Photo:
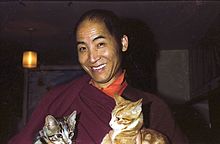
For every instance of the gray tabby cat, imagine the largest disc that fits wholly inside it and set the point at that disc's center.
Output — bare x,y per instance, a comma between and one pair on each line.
57,131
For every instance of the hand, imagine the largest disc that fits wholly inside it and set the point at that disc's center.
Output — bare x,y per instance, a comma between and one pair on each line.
138,139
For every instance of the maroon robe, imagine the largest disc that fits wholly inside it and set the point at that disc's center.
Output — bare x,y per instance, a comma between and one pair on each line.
94,112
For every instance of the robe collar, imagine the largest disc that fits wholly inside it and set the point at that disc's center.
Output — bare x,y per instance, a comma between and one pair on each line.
115,88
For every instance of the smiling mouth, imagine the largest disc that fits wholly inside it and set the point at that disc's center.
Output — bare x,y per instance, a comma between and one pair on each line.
98,67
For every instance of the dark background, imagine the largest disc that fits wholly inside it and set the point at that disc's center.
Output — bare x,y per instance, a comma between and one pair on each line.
47,27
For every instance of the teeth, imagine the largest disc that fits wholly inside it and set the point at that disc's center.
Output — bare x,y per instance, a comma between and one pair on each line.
99,67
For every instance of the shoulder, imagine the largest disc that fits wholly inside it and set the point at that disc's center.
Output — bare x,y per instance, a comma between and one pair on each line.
152,104
157,114
54,99
134,94
73,86
77,82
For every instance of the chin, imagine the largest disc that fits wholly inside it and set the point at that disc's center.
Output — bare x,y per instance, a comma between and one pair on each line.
100,79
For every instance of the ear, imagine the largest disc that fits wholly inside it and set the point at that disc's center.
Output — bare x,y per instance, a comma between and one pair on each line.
139,102
119,99
124,42
137,107
72,118
51,122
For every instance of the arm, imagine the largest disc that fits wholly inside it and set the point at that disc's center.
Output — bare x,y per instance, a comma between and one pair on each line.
36,121
157,115
161,119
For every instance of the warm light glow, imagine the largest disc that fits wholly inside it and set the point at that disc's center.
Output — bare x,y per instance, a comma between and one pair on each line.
29,59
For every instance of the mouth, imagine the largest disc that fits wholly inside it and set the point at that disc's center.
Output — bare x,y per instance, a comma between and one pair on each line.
97,68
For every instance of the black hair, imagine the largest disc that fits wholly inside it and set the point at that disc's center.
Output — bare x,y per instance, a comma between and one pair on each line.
109,18
140,58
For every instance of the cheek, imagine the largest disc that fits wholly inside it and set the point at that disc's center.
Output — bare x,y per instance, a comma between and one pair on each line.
114,124
81,58
111,51
116,57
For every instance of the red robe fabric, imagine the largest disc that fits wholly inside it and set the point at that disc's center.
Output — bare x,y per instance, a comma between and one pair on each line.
94,112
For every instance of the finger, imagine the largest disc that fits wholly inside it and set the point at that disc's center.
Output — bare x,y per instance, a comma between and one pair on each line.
138,139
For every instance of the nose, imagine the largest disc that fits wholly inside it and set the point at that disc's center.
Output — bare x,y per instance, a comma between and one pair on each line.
93,56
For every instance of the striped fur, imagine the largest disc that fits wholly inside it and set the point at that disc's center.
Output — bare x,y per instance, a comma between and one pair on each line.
57,131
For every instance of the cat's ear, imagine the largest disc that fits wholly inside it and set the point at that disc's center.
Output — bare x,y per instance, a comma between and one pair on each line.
137,107
138,102
119,99
72,118
51,122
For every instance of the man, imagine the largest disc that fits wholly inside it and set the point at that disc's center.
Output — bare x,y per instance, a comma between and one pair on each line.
100,44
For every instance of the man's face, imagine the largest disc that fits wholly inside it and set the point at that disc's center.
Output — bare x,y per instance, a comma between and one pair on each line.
98,52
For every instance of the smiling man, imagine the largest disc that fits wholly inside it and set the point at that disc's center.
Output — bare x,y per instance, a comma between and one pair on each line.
99,53
100,45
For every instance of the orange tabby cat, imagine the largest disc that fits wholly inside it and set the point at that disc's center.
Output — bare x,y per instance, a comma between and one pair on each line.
127,123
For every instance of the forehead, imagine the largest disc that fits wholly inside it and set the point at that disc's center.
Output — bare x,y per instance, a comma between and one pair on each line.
90,28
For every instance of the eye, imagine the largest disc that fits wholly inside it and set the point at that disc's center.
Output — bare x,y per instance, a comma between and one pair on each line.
117,118
59,135
125,119
101,45
82,49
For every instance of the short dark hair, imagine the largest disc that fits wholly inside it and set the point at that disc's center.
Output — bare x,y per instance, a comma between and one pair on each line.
109,18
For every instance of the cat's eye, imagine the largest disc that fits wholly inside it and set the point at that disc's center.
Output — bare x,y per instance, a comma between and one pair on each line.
59,136
117,118
125,120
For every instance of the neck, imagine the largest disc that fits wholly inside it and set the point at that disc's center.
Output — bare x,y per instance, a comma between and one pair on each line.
106,84
127,133
124,137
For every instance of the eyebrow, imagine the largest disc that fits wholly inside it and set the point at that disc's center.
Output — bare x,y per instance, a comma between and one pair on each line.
98,37
80,42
